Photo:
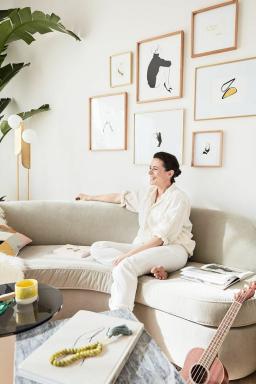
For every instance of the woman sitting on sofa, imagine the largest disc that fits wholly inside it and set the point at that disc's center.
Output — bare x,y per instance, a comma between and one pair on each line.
164,240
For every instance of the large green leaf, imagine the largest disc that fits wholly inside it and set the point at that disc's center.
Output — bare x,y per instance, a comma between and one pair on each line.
2,57
3,104
9,71
5,128
5,13
22,24
32,112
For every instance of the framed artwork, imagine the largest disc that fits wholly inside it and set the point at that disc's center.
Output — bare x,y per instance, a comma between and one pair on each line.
225,90
214,29
120,69
160,67
207,149
108,122
156,132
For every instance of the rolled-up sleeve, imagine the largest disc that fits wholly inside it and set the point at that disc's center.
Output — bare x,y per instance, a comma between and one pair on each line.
171,223
130,200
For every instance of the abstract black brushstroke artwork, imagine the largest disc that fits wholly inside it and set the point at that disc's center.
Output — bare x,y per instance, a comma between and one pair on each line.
159,139
108,122
157,131
153,70
160,67
207,148
227,89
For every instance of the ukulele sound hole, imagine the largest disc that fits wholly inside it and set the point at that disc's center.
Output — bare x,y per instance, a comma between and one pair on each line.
199,374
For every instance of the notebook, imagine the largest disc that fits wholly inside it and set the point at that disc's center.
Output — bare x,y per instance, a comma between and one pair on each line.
83,328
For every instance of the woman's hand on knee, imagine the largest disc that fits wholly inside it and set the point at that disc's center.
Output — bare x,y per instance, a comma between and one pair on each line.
83,197
119,259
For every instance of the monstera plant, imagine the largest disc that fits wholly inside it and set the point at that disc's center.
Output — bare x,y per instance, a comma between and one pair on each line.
22,24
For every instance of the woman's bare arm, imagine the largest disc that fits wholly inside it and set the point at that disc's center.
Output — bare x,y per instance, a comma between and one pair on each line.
108,198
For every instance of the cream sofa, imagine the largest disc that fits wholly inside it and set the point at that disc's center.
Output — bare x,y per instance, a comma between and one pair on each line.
178,313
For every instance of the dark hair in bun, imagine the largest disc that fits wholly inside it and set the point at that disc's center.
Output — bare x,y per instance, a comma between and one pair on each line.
170,162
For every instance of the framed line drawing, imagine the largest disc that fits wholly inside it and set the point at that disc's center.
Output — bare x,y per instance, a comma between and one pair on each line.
207,149
214,29
160,67
120,66
225,90
156,132
108,122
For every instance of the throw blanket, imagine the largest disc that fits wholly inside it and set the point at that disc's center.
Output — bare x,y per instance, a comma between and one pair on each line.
11,269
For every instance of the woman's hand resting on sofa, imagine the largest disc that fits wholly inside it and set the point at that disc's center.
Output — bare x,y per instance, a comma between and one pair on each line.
119,259
84,197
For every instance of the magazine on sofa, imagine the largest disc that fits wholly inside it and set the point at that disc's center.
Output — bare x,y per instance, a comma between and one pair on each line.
216,274
83,328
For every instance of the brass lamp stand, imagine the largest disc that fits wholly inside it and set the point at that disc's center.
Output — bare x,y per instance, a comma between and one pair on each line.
21,151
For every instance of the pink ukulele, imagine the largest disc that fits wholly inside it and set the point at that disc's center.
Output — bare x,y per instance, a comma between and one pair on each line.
203,366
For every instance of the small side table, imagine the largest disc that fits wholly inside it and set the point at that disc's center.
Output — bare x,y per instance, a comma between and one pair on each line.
21,318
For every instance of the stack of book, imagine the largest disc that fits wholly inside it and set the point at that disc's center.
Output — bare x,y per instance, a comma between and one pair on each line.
216,274
83,328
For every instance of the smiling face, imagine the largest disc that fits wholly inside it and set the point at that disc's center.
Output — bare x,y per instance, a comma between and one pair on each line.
158,174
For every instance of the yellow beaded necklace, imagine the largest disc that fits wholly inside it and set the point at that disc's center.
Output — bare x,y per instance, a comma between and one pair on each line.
69,356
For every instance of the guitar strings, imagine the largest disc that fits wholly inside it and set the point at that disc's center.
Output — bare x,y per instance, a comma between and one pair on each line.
204,359
207,359
207,362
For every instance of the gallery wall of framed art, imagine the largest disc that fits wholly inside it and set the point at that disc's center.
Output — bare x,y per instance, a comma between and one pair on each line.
222,90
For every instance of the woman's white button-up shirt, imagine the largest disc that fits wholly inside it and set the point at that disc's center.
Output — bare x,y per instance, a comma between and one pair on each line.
167,218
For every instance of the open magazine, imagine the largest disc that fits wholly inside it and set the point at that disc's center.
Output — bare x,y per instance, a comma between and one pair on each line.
216,274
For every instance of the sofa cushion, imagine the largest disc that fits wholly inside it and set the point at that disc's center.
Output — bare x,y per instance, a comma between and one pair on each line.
80,222
199,303
63,271
12,241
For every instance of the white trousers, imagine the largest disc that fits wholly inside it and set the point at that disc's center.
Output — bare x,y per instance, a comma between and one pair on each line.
126,273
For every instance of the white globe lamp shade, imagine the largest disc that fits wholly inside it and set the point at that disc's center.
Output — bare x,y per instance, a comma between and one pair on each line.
29,136
14,121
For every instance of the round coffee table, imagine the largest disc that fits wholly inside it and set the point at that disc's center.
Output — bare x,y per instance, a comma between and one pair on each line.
21,318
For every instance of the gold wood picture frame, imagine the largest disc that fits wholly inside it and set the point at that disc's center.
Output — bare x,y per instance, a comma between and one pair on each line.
207,148
108,122
160,68
225,90
156,131
120,69
214,29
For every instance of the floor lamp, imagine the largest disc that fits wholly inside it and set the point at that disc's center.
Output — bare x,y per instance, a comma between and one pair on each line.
22,140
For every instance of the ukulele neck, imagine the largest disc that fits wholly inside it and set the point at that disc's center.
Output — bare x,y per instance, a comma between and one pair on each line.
223,329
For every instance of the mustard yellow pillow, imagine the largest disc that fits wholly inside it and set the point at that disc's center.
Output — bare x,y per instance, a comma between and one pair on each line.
12,241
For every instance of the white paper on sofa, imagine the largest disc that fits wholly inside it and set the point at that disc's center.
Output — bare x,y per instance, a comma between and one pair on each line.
83,328
72,250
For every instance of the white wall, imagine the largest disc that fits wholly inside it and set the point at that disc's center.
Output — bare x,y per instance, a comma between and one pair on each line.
65,73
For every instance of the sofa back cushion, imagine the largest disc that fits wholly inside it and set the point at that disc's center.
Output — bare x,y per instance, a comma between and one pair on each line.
220,237
224,238
60,222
